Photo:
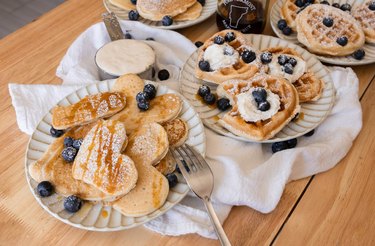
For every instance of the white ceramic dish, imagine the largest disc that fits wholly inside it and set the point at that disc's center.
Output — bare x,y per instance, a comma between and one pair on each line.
208,9
100,217
344,60
312,113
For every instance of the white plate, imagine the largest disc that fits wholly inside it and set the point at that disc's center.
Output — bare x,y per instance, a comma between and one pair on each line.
344,60
100,217
208,9
313,112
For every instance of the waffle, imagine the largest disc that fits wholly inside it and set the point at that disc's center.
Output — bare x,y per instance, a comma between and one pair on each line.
366,17
239,70
321,39
263,129
191,13
123,4
177,131
162,108
167,165
155,10
147,145
100,163
88,109
288,12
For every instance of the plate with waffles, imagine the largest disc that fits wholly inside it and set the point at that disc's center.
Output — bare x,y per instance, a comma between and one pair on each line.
110,167
288,93
337,32
180,14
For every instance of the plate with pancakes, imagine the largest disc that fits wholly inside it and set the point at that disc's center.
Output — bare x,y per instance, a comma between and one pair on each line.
119,169
273,90
337,32
179,14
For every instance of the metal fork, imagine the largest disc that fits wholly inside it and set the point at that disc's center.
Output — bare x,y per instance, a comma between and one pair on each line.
200,179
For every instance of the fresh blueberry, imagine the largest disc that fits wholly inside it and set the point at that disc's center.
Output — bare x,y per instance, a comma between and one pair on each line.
133,2
68,142
248,56
223,104
204,66
299,3
359,54
305,6
287,31
310,133
141,97
336,5
264,106
324,2
279,146
68,154
56,133
281,24
167,20
342,41
72,204
143,106
172,180
150,91
228,51
218,40
288,68
372,6
163,74
229,37
346,7
266,57
77,143
202,2
133,15
209,98
198,44
204,90
292,61
282,59
45,189
328,22
128,36
259,94
292,143
150,39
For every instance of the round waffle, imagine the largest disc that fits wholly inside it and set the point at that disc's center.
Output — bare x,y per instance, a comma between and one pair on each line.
289,11
321,39
366,17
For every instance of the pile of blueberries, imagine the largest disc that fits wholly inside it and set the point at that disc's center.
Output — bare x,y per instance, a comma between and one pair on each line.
72,146
143,98
287,63
260,97
205,93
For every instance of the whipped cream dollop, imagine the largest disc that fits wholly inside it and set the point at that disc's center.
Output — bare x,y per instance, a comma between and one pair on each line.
278,70
220,56
248,107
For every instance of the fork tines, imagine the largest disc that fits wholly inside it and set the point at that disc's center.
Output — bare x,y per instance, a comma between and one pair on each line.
189,159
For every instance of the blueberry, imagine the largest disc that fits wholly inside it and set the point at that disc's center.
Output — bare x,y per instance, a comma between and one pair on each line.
288,68
133,2
68,154
150,39
209,98
291,143
68,142
56,133
204,66
336,5
308,2
229,37
279,146
133,15
72,204
324,2
172,180
372,6
248,56
259,94
266,57
281,24
204,90
218,40
198,44
310,133
346,7
143,106
223,104
299,3
77,143
292,61
287,31
163,74
359,54
282,59
305,6
202,2
342,40
264,106
141,97
228,51
167,20
45,189
128,35
328,22
150,91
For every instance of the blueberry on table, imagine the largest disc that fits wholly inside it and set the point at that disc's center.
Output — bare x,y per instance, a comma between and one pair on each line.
266,57
72,204
287,31
56,133
264,106
292,143
372,6
288,68
150,91
172,180
259,94
336,5
328,22
133,15
198,44
45,188
141,97
167,20
299,3
281,24
342,41
248,56
359,54
279,146
68,142
218,40
346,7
202,2
204,90
223,104
229,37
204,66
324,2
209,98
163,74
69,154
282,59
143,106
310,133
292,61
77,143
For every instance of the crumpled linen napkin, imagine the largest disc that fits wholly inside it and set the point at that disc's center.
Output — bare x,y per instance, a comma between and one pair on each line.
245,173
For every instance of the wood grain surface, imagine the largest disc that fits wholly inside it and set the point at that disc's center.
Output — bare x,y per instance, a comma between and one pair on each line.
336,207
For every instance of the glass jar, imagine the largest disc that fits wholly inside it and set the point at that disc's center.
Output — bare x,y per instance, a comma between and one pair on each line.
247,16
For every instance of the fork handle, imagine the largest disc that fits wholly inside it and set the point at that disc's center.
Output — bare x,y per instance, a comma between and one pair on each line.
215,222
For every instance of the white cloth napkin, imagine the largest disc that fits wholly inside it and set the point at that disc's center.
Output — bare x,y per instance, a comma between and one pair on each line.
245,173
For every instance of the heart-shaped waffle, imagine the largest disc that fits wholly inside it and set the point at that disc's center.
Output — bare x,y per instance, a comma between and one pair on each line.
364,15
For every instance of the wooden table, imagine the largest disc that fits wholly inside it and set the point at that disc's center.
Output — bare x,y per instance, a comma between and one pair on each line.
336,207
